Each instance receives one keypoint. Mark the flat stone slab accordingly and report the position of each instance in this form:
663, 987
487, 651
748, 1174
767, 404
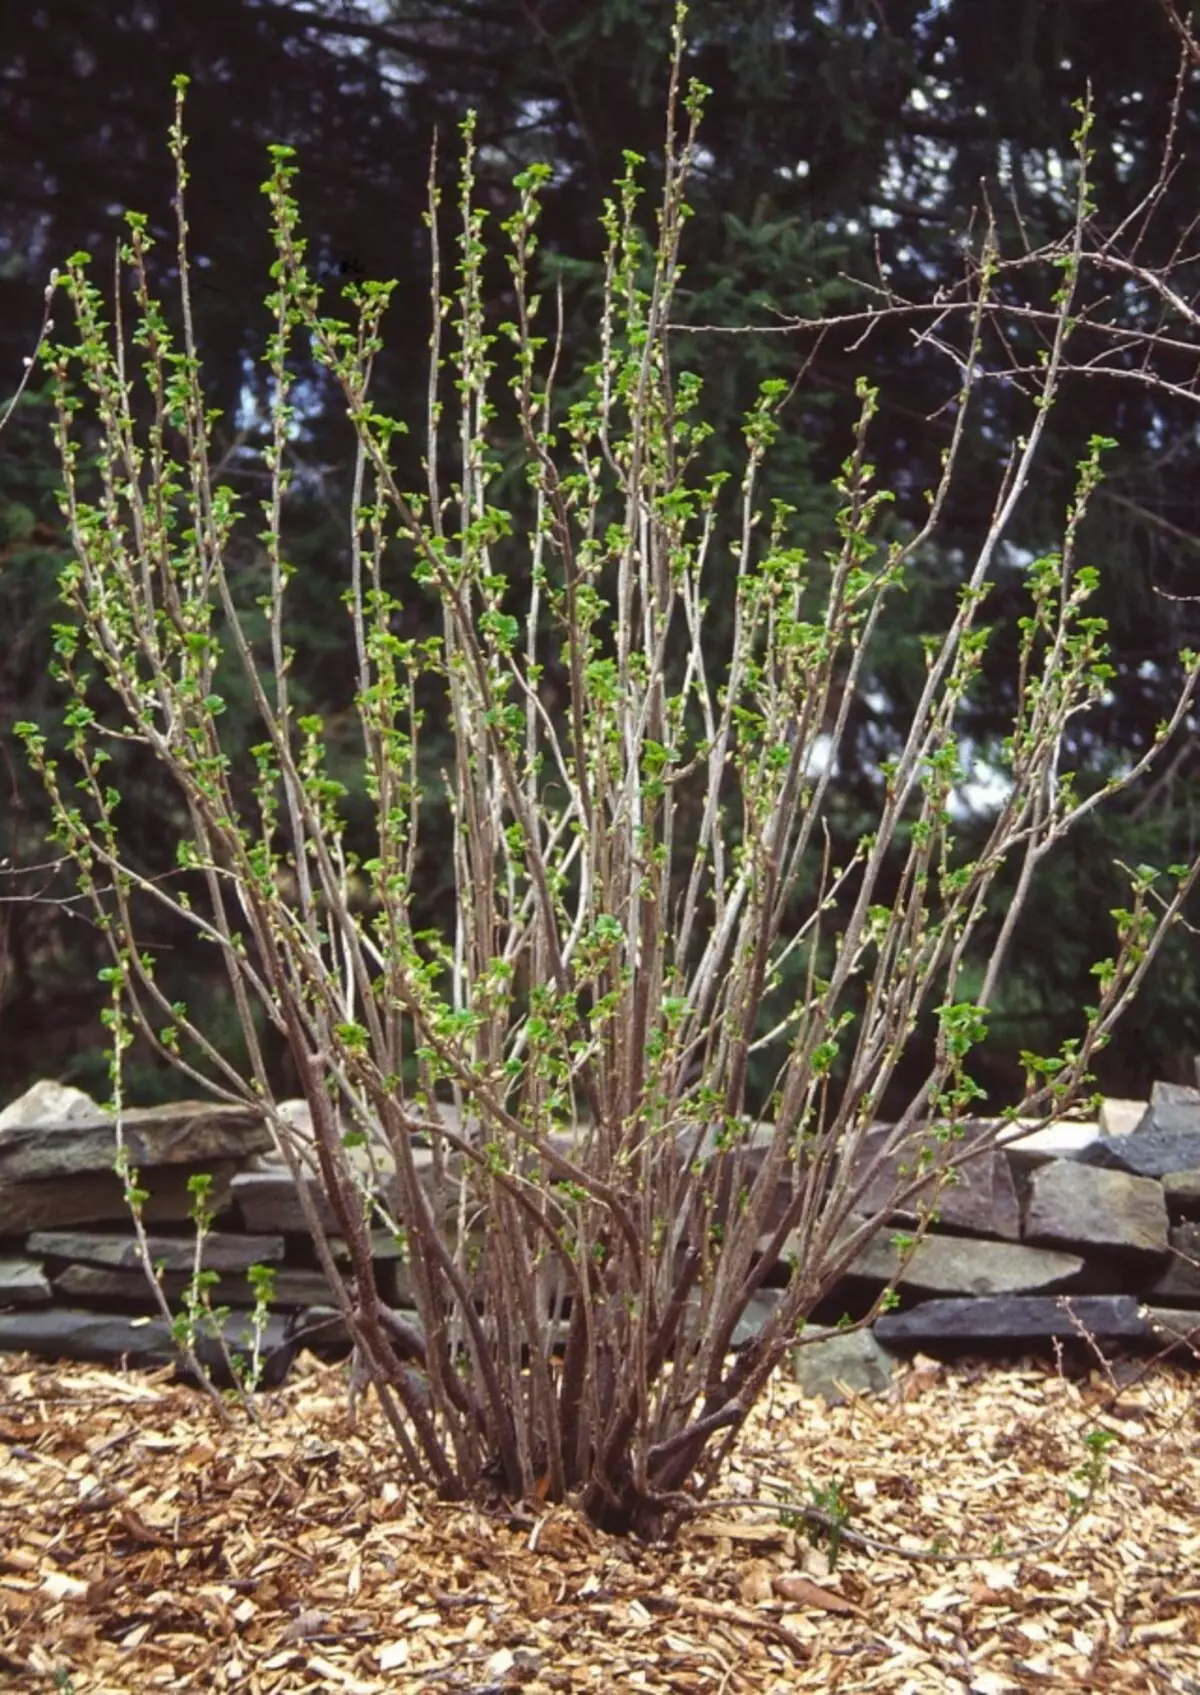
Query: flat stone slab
384, 1246
962, 1265
1083, 1208
840, 1364
23, 1283
1018, 1319
322, 1330
67, 1333
1118, 1116
267, 1201
1174, 1325
183, 1133
980, 1197
1182, 1189
1068, 1139
1147, 1153
377, 1157
293, 1287
1174, 1107
1175, 1094
99, 1198
222, 1251
760, 1309
1180, 1280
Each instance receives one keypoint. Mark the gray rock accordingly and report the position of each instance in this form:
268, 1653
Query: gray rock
22, 1282
268, 1201
66, 1333
48, 1102
1172, 1326
393, 1270
296, 1287
377, 1157
962, 1265
222, 1251
853, 1358
184, 1133
1082, 1208
1147, 1153
980, 1197
1182, 1189
760, 1309
384, 1246
1067, 1139
293, 1287
839, 1364
105, 1283
1174, 1094
99, 1198
322, 1330
325, 1332
394, 1281
1118, 1116
1181, 1279
1174, 1108
298, 1116
1020, 1320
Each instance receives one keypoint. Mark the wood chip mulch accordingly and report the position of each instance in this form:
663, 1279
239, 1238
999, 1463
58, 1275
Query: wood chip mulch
146, 1547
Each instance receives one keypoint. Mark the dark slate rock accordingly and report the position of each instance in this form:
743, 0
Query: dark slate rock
1146, 1153
383, 1246
980, 1197
1021, 1320
99, 1198
293, 1288
300, 1288
182, 1133
1085, 1209
105, 1283
1182, 1189
1181, 1279
322, 1330
1174, 1327
961, 1265
394, 1281
66, 1333
1174, 1108
267, 1201
22, 1282
223, 1251
743, 1161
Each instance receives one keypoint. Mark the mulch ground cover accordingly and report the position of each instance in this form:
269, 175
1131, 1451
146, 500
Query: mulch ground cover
146, 1546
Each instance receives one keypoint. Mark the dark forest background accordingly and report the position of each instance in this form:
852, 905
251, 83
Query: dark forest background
839, 135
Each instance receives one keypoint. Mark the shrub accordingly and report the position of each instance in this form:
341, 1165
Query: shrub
666, 1017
